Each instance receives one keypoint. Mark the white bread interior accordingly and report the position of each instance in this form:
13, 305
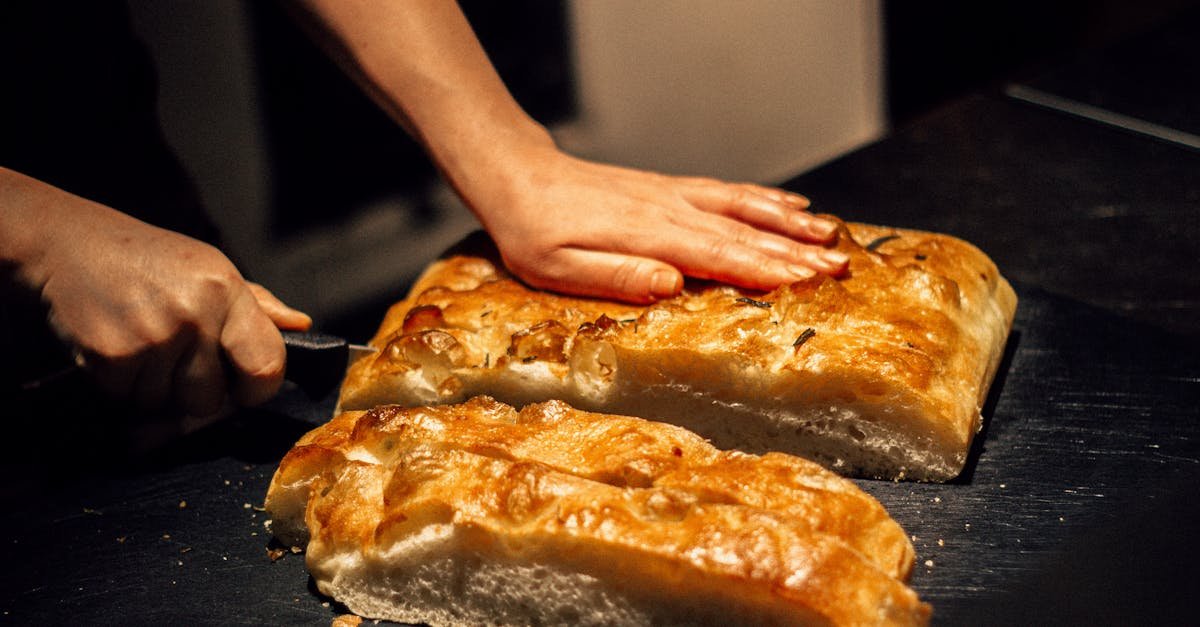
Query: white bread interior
478, 514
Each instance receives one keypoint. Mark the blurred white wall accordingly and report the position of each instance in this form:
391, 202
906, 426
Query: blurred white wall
752, 89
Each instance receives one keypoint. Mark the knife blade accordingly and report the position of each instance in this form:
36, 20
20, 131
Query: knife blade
316, 362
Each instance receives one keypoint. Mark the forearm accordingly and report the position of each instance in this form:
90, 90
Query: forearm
29, 211
560, 222
421, 61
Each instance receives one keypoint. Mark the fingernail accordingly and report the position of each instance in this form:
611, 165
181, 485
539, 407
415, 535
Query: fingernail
835, 257
798, 199
664, 284
824, 228
802, 272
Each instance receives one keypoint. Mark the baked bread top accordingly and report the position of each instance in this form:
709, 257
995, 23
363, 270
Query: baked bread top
880, 373
617, 498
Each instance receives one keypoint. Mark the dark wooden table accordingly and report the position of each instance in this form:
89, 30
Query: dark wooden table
1080, 502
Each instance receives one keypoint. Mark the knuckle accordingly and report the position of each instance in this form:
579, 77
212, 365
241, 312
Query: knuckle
721, 249
541, 266
739, 196
742, 236
269, 369
262, 362
631, 277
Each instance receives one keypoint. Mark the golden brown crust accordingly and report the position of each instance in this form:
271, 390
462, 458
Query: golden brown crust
882, 372
646, 506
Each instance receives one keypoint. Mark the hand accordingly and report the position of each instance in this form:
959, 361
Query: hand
575, 226
562, 223
155, 316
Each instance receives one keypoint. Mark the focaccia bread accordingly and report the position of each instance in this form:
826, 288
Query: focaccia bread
880, 373
476, 513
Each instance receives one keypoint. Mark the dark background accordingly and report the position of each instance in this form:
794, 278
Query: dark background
1079, 504
935, 53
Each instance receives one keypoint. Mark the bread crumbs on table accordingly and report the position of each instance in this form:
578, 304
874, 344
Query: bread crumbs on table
346, 620
928, 563
182, 504
275, 554
941, 542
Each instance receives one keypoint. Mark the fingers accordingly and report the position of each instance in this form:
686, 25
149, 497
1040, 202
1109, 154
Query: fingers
155, 385
606, 275
714, 247
199, 380
741, 260
254, 348
771, 209
283, 316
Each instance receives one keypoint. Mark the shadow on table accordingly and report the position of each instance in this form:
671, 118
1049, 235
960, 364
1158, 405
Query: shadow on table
69, 433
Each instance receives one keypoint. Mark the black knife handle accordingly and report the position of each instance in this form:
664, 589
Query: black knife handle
315, 362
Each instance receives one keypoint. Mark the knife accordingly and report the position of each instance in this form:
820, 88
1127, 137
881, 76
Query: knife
316, 362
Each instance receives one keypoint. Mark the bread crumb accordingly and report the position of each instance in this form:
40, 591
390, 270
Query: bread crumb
166, 536
346, 620
1003, 485
928, 563
182, 504
122, 539
941, 542
937, 499
275, 554
246, 506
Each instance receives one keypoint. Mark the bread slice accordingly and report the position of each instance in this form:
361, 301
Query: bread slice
881, 373
478, 514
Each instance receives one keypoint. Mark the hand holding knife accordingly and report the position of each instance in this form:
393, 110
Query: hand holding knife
316, 362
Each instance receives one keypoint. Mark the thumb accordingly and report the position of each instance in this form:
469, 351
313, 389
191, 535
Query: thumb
283, 316
604, 275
